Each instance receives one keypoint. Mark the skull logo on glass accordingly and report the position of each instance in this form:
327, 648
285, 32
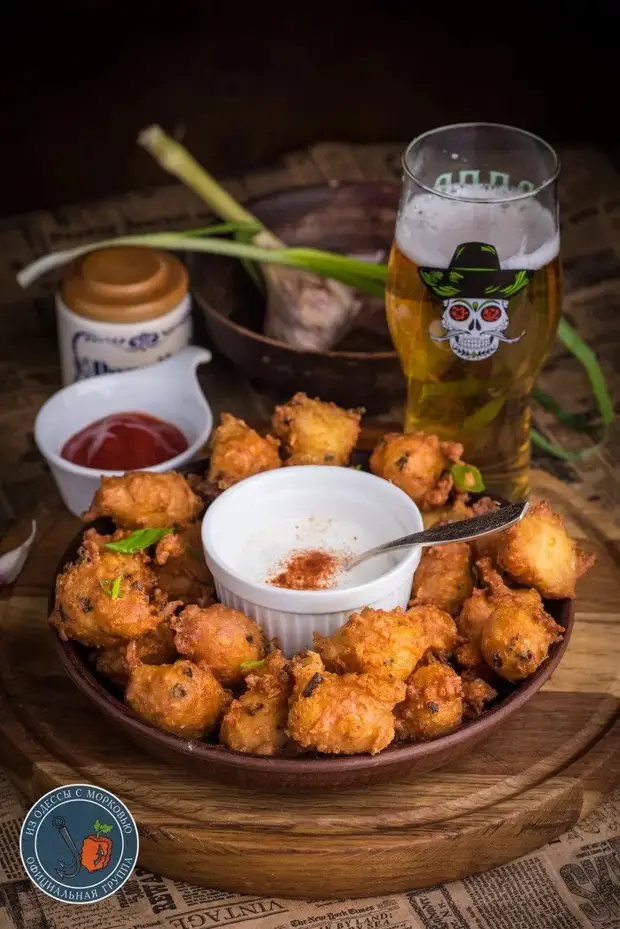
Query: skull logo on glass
475, 293
475, 328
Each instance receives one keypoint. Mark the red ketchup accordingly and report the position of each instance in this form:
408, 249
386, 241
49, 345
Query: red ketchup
124, 442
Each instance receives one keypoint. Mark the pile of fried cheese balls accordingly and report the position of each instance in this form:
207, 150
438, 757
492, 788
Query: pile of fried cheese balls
142, 599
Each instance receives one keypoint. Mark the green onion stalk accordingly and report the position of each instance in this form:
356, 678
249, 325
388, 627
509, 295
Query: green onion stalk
312, 294
350, 271
305, 309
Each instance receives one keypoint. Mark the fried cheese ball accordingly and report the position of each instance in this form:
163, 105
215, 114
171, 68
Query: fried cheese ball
180, 567
346, 714
183, 698
433, 705
444, 577
417, 463
316, 433
459, 509
473, 617
256, 722
516, 638
486, 545
480, 606
238, 452
106, 598
142, 499
101, 540
155, 647
477, 608
387, 644
476, 694
439, 631
538, 552
453, 512
219, 636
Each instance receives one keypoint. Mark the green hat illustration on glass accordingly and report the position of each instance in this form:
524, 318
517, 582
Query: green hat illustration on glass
475, 293
475, 271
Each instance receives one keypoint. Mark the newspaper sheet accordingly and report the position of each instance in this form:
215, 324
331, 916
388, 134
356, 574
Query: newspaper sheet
573, 883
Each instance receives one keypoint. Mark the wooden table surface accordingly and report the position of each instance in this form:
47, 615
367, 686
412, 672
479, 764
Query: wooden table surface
29, 372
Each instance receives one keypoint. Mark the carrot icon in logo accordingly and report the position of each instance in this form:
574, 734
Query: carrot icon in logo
97, 848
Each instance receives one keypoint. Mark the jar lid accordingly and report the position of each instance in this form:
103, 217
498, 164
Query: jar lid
124, 284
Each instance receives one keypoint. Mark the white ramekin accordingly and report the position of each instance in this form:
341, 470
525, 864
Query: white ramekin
168, 390
234, 522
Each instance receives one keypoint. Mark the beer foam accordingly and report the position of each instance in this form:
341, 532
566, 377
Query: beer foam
524, 232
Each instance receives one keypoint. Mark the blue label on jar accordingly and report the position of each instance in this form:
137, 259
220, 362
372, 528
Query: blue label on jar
90, 357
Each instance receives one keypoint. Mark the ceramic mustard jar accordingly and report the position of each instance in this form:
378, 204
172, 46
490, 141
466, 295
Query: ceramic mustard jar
121, 308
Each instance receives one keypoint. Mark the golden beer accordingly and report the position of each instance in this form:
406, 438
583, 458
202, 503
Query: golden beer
473, 303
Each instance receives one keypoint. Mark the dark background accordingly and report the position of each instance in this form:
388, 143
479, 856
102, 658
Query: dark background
242, 84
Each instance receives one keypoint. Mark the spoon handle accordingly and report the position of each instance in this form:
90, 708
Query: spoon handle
460, 531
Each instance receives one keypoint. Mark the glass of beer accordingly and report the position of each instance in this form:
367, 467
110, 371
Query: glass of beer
474, 290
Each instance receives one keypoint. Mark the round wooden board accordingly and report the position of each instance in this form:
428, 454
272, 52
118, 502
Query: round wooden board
515, 792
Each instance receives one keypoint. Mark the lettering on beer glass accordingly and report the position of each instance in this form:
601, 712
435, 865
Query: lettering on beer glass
469, 176
475, 292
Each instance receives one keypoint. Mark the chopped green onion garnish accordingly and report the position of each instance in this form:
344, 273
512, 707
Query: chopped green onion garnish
251, 665
138, 540
467, 478
112, 587
195, 554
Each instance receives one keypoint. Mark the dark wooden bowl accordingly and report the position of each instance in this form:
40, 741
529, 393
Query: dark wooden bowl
316, 772
364, 369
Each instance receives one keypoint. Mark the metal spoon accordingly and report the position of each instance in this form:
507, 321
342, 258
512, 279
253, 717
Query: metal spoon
460, 531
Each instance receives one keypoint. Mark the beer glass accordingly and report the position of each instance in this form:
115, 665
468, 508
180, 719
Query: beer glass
473, 297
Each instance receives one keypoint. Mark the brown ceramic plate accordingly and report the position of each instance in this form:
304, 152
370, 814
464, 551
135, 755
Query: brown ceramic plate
353, 219
306, 772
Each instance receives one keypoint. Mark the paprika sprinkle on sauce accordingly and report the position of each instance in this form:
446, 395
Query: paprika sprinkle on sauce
308, 569
125, 442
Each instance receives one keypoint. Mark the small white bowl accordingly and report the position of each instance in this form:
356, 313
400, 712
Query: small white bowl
168, 390
250, 528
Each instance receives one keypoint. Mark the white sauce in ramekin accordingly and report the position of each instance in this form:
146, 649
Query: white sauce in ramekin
266, 552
